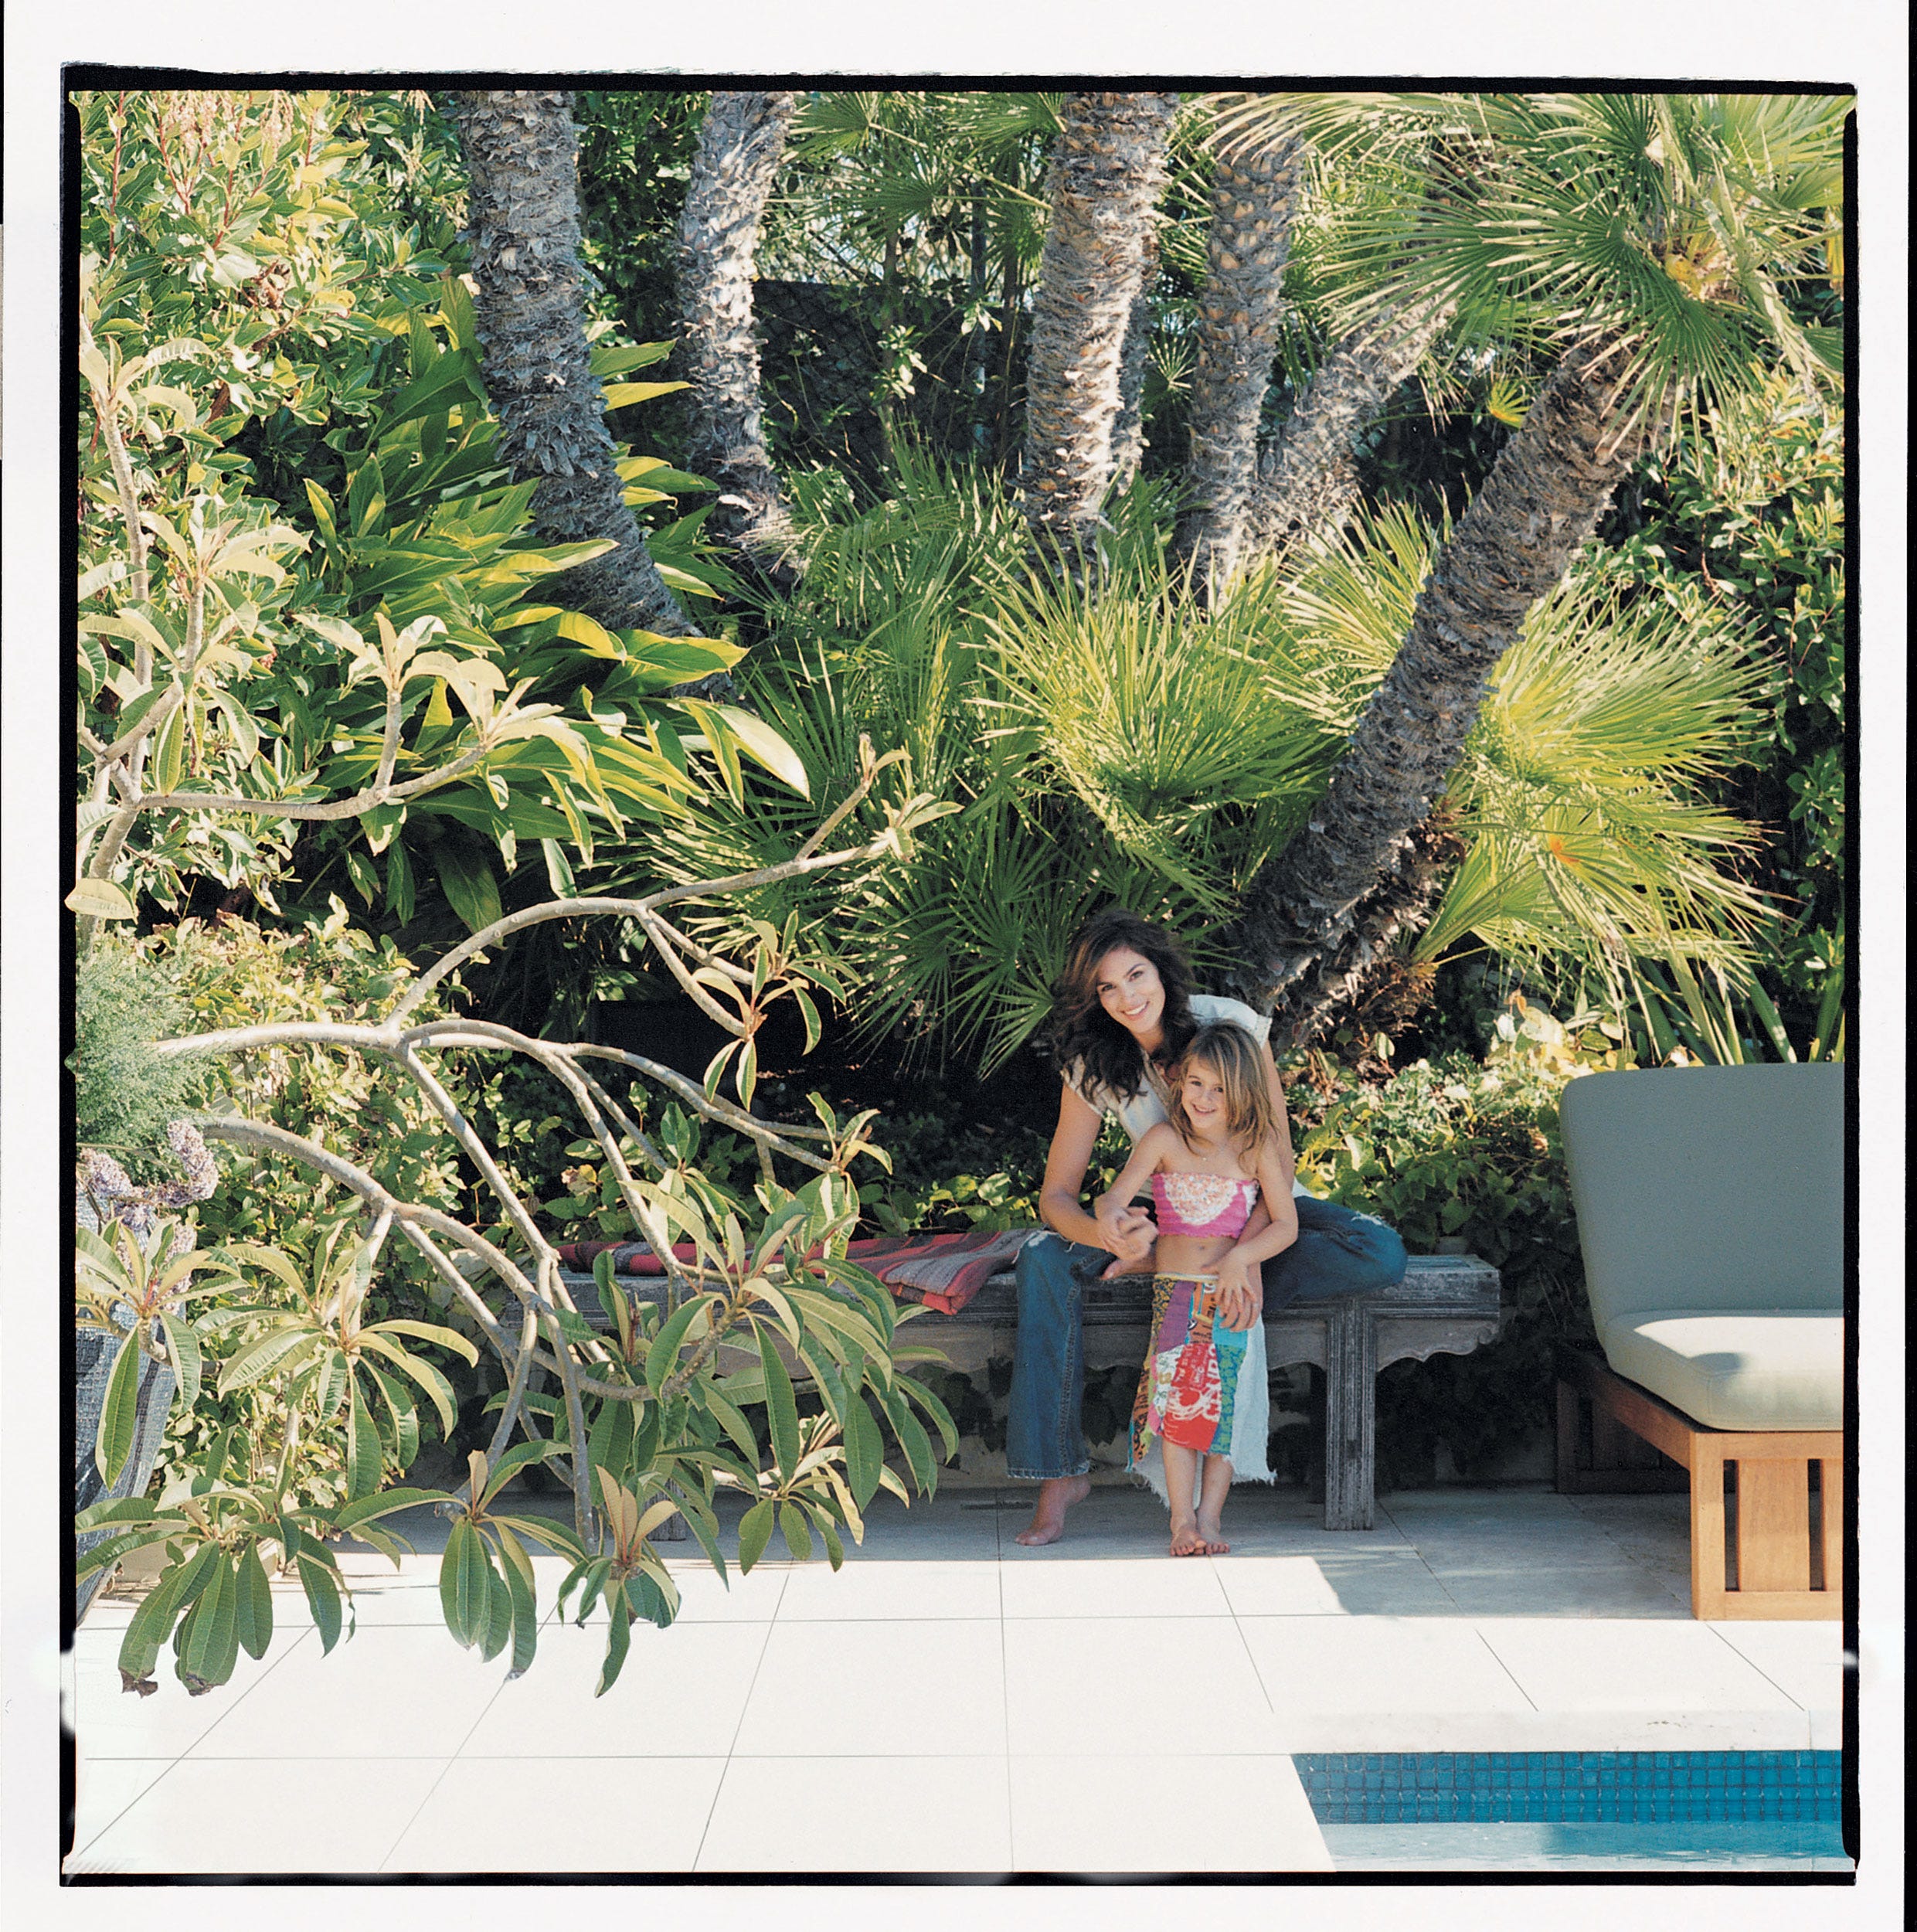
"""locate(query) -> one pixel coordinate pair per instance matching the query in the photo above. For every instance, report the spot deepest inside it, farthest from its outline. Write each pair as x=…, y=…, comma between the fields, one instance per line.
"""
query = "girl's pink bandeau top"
x=1208, y=1205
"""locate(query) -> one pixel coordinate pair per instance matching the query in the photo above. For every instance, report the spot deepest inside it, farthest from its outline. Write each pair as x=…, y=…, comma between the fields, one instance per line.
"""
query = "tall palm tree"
x=1107, y=168
x=1652, y=239
x=741, y=141
x=1128, y=432
x=1254, y=193
x=1307, y=482
x=521, y=154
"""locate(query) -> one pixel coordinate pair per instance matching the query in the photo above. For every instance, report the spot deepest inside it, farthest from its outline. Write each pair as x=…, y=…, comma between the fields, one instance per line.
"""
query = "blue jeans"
x=1337, y=1251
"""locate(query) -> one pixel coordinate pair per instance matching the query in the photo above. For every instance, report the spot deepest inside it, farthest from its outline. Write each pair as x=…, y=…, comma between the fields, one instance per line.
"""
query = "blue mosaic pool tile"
x=1544, y=1786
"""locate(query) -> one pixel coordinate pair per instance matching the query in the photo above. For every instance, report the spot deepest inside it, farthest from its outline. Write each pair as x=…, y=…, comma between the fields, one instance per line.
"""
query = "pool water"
x=1518, y=1811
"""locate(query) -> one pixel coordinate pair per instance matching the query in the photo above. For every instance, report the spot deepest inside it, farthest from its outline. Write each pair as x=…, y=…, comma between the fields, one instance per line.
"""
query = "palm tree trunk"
x=741, y=143
x=522, y=153
x=1303, y=936
x=1253, y=198
x=1307, y=478
x=1128, y=432
x=1107, y=168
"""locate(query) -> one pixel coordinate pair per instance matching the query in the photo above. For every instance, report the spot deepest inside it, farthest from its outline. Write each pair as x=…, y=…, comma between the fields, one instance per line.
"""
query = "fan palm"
x=1653, y=240
x=741, y=143
x=521, y=154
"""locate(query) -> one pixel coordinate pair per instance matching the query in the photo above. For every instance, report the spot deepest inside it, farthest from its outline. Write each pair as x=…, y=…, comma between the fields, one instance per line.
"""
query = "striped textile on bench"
x=944, y=1271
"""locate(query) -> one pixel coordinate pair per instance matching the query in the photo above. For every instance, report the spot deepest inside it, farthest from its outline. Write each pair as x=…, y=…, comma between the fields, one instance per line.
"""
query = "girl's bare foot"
x=1056, y=1494
x=1188, y=1539
x=1214, y=1535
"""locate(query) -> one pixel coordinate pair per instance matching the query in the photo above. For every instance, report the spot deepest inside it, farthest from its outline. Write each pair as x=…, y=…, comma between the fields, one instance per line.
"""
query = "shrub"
x=1450, y=1150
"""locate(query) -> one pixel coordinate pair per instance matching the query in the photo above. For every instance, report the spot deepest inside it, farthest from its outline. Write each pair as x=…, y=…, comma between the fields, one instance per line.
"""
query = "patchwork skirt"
x=1203, y=1385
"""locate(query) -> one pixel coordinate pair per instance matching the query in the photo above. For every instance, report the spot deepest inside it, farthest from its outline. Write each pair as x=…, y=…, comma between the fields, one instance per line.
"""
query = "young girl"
x=1202, y=1395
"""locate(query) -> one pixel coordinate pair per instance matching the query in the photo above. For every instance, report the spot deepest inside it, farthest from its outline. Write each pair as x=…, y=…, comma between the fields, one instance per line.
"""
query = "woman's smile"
x=1129, y=989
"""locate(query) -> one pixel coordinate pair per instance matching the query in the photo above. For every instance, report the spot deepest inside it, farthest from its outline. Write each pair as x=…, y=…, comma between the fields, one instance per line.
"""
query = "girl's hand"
x=1241, y=1292
x=1121, y=1226
x=1134, y=1251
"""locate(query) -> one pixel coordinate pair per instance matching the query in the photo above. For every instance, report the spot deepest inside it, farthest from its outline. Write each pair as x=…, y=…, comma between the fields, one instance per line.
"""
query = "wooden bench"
x=1777, y=1552
x=1446, y=1305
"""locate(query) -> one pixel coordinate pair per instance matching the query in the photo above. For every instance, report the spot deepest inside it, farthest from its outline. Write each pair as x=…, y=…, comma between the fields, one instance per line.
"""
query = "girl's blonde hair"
x=1232, y=1055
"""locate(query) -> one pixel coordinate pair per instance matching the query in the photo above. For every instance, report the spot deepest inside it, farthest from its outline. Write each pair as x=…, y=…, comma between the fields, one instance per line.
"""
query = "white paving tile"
x=632, y=1816
x=1377, y=1583
x=1159, y=1814
x=1670, y=1667
x=1157, y=1586
x=1805, y=1660
x=680, y=1694
x=899, y=1688
x=913, y=1815
x=111, y=1722
x=706, y=1598
x=1089, y=1686
x=104, y=1787
x=1395, y=1667
x=279, y=1818
x=869, y=1588
x=1617, y=1589
x=398, y=1690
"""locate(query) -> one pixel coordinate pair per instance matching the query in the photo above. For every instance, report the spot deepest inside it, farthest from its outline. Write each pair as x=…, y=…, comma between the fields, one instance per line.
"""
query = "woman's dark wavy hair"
x=1083, y=1040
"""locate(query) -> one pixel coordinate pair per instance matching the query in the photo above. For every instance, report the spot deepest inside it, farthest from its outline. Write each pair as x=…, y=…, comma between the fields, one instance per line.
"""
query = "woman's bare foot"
x=1056, y=1494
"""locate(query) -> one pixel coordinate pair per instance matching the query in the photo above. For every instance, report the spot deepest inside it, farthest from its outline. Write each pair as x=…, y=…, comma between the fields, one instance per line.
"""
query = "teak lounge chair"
x=1710, y=1205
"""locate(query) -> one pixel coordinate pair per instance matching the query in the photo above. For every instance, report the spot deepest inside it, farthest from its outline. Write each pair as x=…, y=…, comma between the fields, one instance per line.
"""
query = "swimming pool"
x=1577, y=1810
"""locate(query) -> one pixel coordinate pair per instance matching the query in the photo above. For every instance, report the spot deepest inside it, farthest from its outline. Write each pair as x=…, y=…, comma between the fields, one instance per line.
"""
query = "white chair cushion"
x=1736, y=1369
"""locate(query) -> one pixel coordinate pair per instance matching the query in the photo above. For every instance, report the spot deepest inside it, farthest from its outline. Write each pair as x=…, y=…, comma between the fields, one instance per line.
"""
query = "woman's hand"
x=1241, y=1292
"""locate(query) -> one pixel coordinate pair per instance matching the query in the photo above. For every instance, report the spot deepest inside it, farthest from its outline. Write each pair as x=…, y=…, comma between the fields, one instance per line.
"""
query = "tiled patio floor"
x=948, y=1701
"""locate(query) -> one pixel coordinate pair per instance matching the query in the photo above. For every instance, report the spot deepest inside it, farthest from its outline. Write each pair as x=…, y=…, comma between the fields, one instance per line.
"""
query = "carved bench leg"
x=1350, y=1417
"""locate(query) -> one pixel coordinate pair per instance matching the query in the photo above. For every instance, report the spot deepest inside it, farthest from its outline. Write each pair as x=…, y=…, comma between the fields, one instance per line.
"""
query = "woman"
x=1124, y=1012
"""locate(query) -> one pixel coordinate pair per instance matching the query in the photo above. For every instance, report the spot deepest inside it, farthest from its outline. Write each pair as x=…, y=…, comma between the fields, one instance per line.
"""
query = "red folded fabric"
x=944, y=1271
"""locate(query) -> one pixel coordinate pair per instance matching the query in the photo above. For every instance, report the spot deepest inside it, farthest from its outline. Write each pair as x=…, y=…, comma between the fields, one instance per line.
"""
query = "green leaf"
x=760, y=742
x=912, y=1439
x=465, y=1584
x=558, y=870
x=796, y=1531
x=178, y=1586
x=183, y=1346
x=252, y=1604
x=664, y=1354
x=618, y=1641
x=755, y=1531
x=280, y=1350
x=100, y=899
x=134, y=1509
x=517, y=1566
x=119, y=1415
x=621, y=396
x=467, y=878
x=499, y=1608
x=515, y=1459
x=350, y=1515
x=781, y=1409
x=864, y=1451
x=169, y=751
x=432, y=1331
x=322, y=1598
x=730, y=1419
x=364, y=1460
x=934, y=1407
x=208, y=1643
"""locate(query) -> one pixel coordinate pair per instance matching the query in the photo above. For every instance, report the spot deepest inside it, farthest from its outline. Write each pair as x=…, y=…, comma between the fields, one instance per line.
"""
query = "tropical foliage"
x=1454, y=627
